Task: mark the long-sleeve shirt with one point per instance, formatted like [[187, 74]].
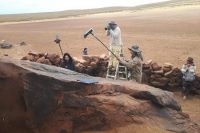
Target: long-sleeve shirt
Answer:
[[115, 37], [135, 67], [188, 71], [68, 65]]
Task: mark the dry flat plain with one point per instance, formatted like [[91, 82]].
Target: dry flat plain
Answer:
[[163, 34]]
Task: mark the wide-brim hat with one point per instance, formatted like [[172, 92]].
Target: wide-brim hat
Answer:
[[112, 23], [190, 59], [134, 48]]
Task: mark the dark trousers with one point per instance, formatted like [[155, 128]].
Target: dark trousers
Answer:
[[187, 86]]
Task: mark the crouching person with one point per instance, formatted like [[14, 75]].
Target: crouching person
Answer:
[[135, 64], [67, 62], [188, 71]]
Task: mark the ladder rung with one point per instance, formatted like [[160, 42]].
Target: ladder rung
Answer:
[[122, 72], [122, 67], [111, 76], [123, 78]]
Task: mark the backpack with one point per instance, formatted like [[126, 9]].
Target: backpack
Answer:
[[188, 76]]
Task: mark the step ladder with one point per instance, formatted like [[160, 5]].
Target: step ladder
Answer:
[[119, 73], [122, 72]]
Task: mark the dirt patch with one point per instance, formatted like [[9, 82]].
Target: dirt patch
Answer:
[[190, 106]]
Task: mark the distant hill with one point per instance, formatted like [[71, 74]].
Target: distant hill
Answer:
[[70, 13]]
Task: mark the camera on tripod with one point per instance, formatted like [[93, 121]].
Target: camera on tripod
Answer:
[[57, 40]]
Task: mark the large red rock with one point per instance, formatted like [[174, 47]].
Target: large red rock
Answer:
[[50, 99]]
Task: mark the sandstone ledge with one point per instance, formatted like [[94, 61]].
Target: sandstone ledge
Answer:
[[55, 99]]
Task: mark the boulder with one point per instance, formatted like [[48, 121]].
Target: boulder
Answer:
[[54, 59], [22, 43], [149, 62], [80, 68], [104, 57], [84, 62], [161, 72], [198, 77], [156, 67], [168, 65], [52, 99], [29, 57], [93, 64], [157, 84], [163, 80], [42, 54], [168, 74], [32, 53], [166, 69], [44, 61], [5, 45]]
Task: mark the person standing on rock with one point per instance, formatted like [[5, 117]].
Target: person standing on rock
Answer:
[[188, 70], [135, 64], [116, 46], [67, 62]]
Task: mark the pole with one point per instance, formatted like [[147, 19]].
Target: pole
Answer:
[[104, 45], [60, 49]]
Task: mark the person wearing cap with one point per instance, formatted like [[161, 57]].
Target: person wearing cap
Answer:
[[135, 64], [115, 42], [188, 71]]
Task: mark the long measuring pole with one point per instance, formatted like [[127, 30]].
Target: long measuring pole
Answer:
[[104, 45]]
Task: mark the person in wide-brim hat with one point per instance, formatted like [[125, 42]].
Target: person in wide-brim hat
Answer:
[[134, 48], [135, 51], [115, 44], [135, 64]]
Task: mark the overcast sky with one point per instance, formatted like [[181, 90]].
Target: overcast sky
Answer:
[[28, 6]]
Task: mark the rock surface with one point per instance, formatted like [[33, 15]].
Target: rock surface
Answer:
[[38, 98], [5, 45]]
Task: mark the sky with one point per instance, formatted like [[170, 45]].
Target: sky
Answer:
[[32, 6]]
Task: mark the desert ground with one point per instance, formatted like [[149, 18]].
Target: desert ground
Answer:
[[164, 35]]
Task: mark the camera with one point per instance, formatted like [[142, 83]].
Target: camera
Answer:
[[107, 27], [57, 40]]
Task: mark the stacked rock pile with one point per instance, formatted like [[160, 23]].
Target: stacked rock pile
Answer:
[[44, 58], [90, 64], [166, 76]]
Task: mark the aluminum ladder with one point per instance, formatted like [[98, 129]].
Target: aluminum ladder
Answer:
[[121, 73]]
